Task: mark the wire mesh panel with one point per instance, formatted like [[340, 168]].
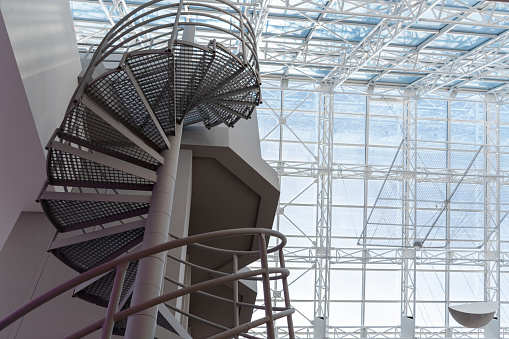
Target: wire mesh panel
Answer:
[[458, 207]]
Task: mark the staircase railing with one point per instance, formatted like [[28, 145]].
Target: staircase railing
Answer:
[[156, 19], [264, 274]]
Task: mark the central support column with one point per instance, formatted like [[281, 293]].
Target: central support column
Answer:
[[149, 278]]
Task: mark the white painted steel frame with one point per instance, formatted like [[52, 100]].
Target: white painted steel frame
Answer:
[[301, 259], [435, 68]]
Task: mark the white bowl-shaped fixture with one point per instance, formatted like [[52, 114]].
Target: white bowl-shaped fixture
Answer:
[[474, 315]]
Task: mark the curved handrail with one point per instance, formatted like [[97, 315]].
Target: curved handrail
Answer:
[[175, 294], [122, 261], [137, 21]]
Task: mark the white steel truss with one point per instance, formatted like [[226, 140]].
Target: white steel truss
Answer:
[[398, 53]]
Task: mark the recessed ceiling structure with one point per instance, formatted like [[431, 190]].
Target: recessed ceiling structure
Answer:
[[423, 45], [345, 82]]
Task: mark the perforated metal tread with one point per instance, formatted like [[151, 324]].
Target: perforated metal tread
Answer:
[[116, 94], [211, 85], [120, 326], [88, 254], [87, 129], [67, 169], [68, 215], [99, 291]]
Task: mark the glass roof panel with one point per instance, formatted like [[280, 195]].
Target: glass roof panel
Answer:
[[460, 42], [362, 76], [411, 38], [286, 28], [87, 11], [342, 32], [485, 85], [398, 79]]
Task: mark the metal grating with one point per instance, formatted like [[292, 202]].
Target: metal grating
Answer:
[[224, 68], [88, 254], [84, 127], [154, 74], [71, 215], [70, 170], [116, 94], [228, 118], [120, 326], [191, 66], [99, 291]]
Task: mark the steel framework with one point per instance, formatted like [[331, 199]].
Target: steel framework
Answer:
[[337, 76]]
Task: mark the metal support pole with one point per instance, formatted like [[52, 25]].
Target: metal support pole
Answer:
[[409, 206], [149, 278], [286, 294], [235, 293], [492, 201], [324, 212], [266, 286]]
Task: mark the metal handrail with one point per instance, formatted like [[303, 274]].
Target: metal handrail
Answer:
[[120, 265], [128, 23]]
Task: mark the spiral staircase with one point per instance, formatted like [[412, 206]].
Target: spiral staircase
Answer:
[[102, 160]]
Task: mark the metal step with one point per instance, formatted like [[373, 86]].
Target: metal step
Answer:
[[85, 128], [71, 211], [98, 292], [67, 169], [89, 250], [153, 73], [116, 94]]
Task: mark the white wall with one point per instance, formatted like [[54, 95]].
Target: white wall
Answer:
[[39, 65]]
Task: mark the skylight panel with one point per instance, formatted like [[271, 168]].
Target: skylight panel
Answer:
[[398, 79], [287, 28], [342, 32], [85, 11], [411, 38], [484, 85], [460, 42]]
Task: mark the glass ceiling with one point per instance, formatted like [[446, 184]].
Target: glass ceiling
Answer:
[[329, 40]]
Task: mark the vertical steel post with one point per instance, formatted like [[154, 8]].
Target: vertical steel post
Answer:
[[149, 278], [492, 200], [236, 322], [286, 294], [266, 286], [324, 207], [409, 205]]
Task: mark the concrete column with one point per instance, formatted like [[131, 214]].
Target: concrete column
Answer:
[[149, 278]]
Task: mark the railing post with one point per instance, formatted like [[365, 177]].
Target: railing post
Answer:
[[287, 296], [235, 293], [116, 291], [266, 286]]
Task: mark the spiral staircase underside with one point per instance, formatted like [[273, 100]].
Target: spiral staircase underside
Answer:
[[103, 165]]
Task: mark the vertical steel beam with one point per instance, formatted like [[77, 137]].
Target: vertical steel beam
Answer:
[[409, 205], [492, 200], [324, 206]]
